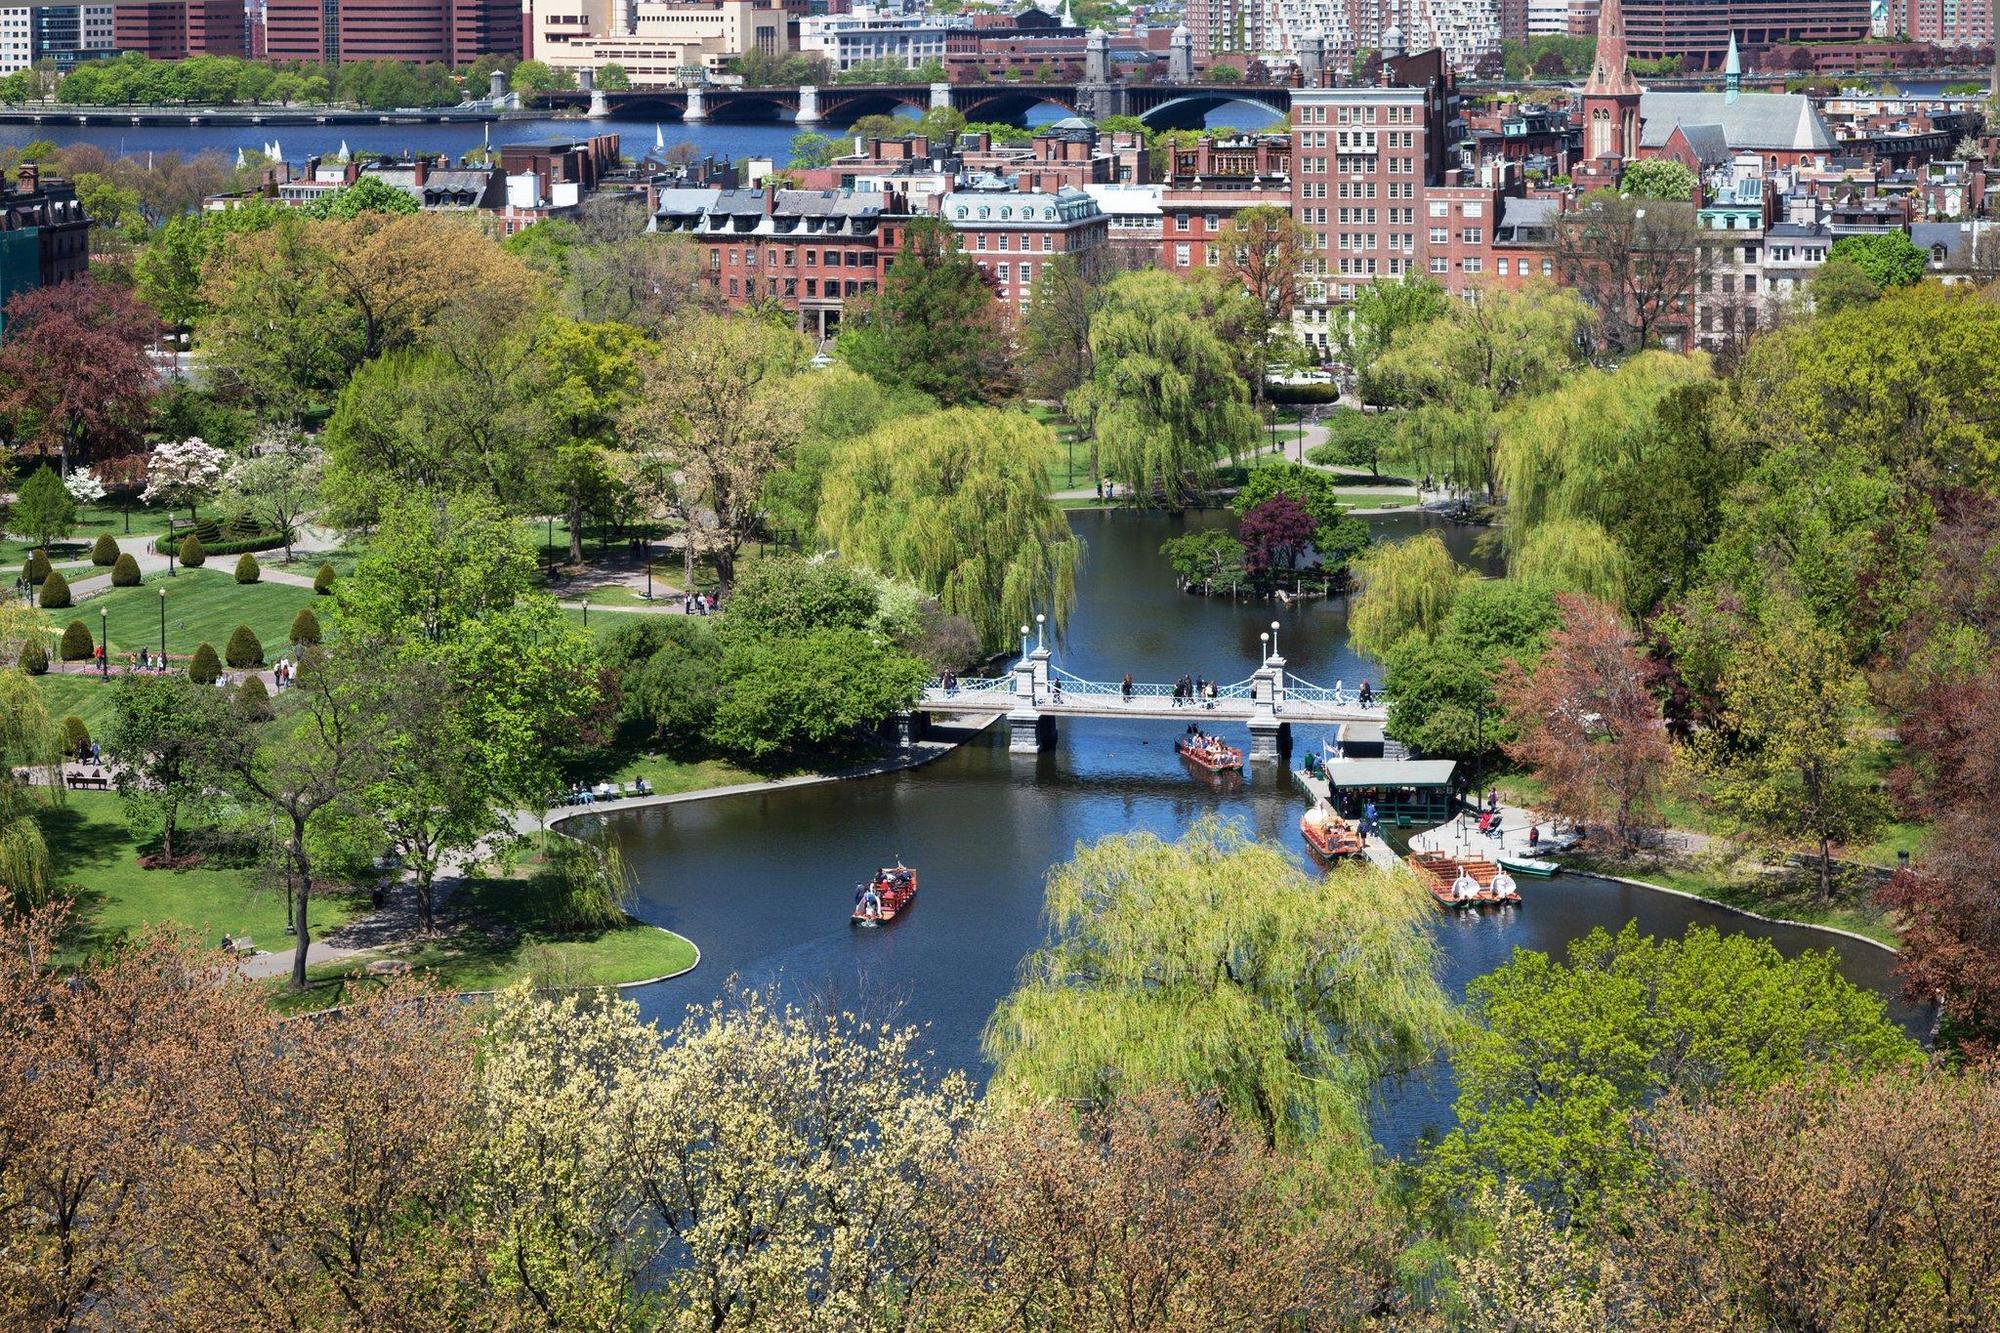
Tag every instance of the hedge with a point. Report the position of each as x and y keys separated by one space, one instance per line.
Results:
x=305 y=628
x=76 y=642
x=35 y=657
x=253 y=698
x=323 y=581
x=263 y=541
x=37 y=568
x=1302 y=393
x=125 y=574
x=247 y=568
x=104 y=551
x=55 y=590
x=75 y=733
x=243 y=650
x=205 y=668
x=193 y=554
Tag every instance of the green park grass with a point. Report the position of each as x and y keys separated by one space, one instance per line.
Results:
x=203 y=606
x=97 y=853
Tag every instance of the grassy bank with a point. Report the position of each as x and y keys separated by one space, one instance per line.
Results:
x=494 y=934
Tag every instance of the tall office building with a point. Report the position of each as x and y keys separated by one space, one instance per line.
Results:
x=1698 y=31
x=1944 y=22
x=448 y=32
x=1465 y=30
x=175 y=29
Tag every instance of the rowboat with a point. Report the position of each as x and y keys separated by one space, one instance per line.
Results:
x=1458 y=882
x=1328 y=834
x=1209 y=753
x=1527 y=865
x=893 y=889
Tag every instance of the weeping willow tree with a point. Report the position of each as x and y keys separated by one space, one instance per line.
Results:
x=1406 y=588
x=1166 y=397
x=1458 y=372
x=956 y=502
x=1560 y=452
x=1573 y=555
x=1214 y=964
x=27 y=741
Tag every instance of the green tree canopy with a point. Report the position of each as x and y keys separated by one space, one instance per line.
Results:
x=1407 y=587
x=1889 y=258
x=43 y=508
x=934 y=326
x=1565 y=1056
x=956 y=502
x=1658 y=178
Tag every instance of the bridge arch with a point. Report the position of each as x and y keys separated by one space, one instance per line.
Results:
x=753 y=104
x=1191 y=111
x=1009 y=106
x=837 y=108
x=650 y=106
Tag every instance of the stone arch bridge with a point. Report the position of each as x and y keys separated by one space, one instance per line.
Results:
x=1167 y=106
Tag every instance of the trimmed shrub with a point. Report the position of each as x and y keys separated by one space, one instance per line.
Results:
x=37 y=568
x=263 y=541
x=253 y=698
x=35 y=657
x=104 y=551
x=76 y=642
x=193 y=554
x=247 y=568
x=241 y=527
x=205 y=668
x=243 y=650
x=305 y=628
x=75 y=734
x=323 y=581
x=55 y=591
x=125 y=574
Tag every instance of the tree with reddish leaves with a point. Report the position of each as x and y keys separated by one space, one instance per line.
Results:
x=1275 y=533
x=74 y=378
x=1587 y=723
x=1948 y=917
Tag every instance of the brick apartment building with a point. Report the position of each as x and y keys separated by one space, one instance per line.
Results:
x=1363 y=159
x=1211 y=181
x=1011 y=234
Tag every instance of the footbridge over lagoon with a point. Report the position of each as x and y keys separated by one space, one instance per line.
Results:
x=1035 y=692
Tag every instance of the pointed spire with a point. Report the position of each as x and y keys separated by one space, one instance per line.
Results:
x=1609 y=76
x=1732 y=70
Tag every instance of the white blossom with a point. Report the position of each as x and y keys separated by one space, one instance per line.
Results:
x=183 y=471
x=83 y=486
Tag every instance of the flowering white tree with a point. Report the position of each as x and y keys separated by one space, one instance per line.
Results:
x=279 y=486
x=84 y=487
x=182 y=472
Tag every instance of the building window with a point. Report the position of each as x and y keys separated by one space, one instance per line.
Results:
x=1183 y=256
x=1439 y=264
x=1181 y=221
x=1503 y=268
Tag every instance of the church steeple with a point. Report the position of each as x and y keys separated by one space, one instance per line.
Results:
x=1732 y=70
x=1608 y=75
x=1610 y=102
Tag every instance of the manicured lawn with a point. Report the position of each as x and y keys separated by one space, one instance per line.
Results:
x=86 y=695
x=667 y=776
x=92 y=521
x=492 y=938
x=95 y=850
x=203 y=606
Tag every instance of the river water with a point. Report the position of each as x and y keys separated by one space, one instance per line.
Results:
x=763 y=883
x=770 y=139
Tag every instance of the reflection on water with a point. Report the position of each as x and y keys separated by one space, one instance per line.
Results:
x=763 y=883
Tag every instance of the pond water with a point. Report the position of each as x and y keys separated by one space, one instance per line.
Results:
x=763 y=883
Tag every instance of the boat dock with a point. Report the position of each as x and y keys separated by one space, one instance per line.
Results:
x=1461 y=835
x=1378 y=852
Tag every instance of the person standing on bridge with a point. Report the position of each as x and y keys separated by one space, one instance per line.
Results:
x=1367 y=695
x=1125 y=688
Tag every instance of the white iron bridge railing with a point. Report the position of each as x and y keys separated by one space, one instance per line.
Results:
x=975 y=685
x=1076 y=686
x=1344 y=696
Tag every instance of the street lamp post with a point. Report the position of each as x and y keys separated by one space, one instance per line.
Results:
x=1274 y=638
x=1039 y=618
x=586 y=610
x=552 y=545
x=163 y=631
x=649 y=580
x=1024 y=641
x=103 y=641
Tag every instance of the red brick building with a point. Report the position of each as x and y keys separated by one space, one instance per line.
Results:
x=1013 y=234
x=176 y=29
x=450 y=32
x=1208 y=183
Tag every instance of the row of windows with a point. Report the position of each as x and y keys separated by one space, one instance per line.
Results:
x=1003 y=274
x=834 y=287
x=1470 y=208
x=1470 y=236
x=854 y=259
x=1348 y=114
x=1002 y=242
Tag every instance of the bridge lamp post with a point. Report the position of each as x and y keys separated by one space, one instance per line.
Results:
x=1039 y=618
x=1274 y=638
x=1024 y=641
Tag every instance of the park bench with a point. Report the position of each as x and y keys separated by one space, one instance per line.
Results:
x=94 y=780
x=242 y=946
x=388 y=967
